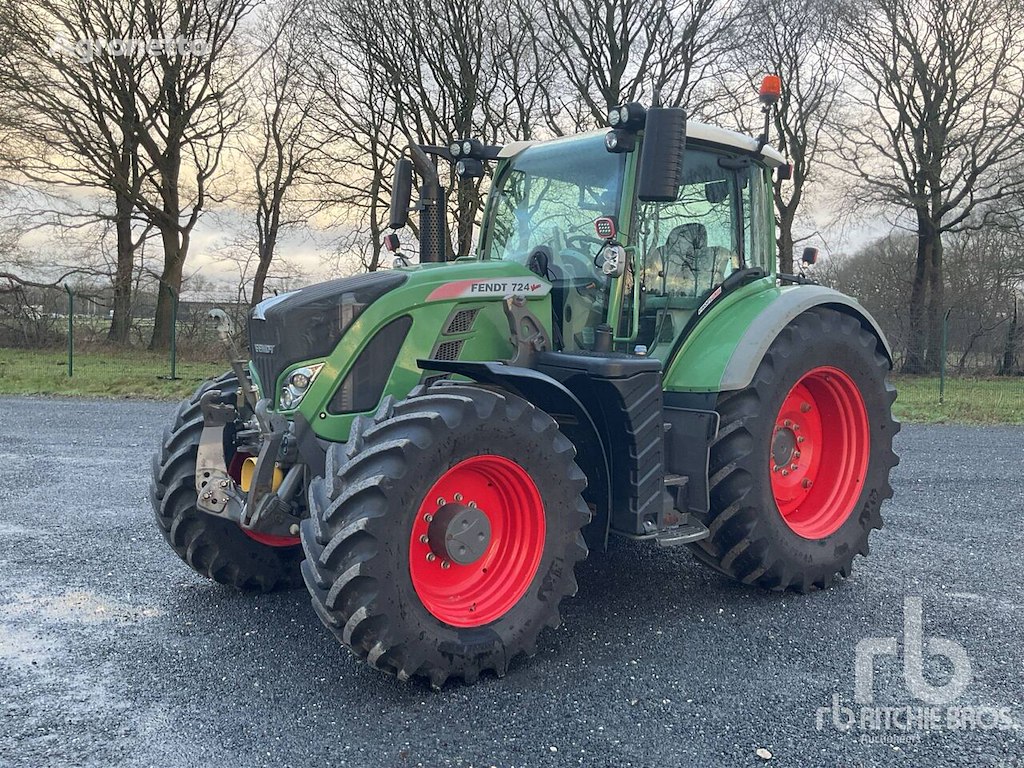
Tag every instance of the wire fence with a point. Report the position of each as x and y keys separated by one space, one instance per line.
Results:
x=55 y=318
x=980 y=375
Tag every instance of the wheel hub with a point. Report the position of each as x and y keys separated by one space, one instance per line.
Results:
x=477 y=540
x=459 y=533
x=783 y=446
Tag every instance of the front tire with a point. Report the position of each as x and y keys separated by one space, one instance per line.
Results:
x=445 y=533
x=801 y=464
x=213 y=547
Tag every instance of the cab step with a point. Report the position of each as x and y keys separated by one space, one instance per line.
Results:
x=687 y=531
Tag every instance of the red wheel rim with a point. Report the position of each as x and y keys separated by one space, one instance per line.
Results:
x=266 y=539
x=818 y=458
x=478 y=592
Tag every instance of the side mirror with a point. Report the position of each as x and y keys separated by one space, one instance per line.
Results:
x=810 y=256
x=661 y=156
x=784 y=172
x=401 y=193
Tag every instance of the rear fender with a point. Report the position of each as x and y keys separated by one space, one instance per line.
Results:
x=726 y=347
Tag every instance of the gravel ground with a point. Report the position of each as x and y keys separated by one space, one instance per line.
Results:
x=112 y=652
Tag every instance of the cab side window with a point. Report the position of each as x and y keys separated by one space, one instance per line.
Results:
x=719 y=222
x=691 y=244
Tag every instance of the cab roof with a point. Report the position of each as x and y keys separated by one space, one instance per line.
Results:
x=694 y=131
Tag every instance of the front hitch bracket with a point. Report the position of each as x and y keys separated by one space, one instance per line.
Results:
x=265 y=510
x=215 y=489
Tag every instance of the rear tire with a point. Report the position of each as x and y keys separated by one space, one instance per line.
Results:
x=213 y=547
x=784 y=521
x=370 y=535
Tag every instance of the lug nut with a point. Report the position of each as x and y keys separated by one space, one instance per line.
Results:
x=440 y=501
x=431 y=557
x=424 y=539
x=796 y=454
x=428 y=518
x=223 y=483
x=788 y=423
x=445 y=565
x=801 y=439
x=785 y=472
x=458 y=497
x=776 y=468
x=792 y=466
x=472 y=504
x=807 y=483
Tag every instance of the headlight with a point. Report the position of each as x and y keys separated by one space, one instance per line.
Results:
x=297 y=385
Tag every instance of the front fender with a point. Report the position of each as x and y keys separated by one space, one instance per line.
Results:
x=573 y=418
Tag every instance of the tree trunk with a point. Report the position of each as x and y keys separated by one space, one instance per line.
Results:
x=259 y=281
x=170 y=280
x=785 y=240
x=124 y=273
x=917 y=341
x=1008 y=365
x=936 y=308
x=468 y=199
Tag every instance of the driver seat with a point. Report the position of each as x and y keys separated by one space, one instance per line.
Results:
x=681 y=258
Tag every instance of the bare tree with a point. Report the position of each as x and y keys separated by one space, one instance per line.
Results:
x=937 y=129
x=289 y=139
x=187 y=107
x=483 y=82
x=799 y=41
x=613 y=51
x=71 y=116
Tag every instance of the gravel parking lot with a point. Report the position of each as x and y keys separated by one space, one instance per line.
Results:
x=112 y=652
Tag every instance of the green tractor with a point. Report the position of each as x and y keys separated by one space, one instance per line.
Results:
x=433 y=448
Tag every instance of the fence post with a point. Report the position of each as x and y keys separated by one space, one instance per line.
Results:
x=71 y=331
x=942 y=358
x=174 y=332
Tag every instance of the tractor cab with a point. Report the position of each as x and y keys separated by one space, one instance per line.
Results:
x=561 y=208
x=638 y=230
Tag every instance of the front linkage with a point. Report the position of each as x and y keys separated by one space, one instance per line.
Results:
x=265 y=497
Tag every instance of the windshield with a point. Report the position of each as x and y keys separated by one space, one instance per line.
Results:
x=546 y=200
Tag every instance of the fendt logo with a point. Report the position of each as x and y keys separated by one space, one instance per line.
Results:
x=264 y=349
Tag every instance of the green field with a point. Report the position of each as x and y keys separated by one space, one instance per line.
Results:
x=99 y=374
x=996 y=400
x=141 y=374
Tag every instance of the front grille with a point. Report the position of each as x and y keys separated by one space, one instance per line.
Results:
x=461 y=321
x=308 y=324
x=448 y=350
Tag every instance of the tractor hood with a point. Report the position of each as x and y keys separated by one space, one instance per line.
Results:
x=309 y=323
